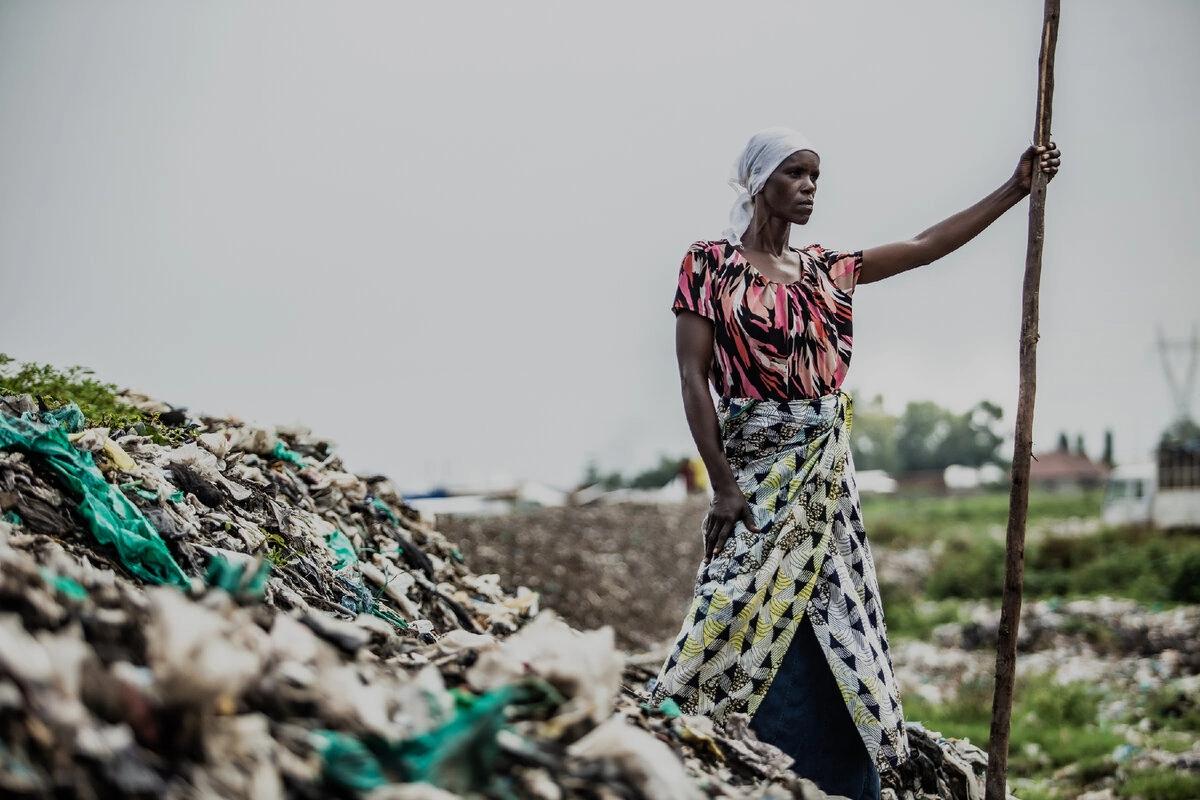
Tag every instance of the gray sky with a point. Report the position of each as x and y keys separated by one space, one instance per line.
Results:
x=447 y=235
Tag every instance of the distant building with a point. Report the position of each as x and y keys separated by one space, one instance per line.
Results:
x=922 y=481
x=1063 y=471
x=1177 y=467
x=1129 y=495
x=486 y=499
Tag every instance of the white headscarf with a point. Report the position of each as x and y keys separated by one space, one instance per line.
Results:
x=765 y=151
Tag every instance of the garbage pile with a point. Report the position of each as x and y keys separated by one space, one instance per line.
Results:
x=1105 y=625
x=233 y=614
x=1115 y=642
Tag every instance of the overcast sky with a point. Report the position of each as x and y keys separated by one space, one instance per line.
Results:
x=447 y=235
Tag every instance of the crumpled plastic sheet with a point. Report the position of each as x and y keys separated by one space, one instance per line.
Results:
x=112 y=518
x=585 y=667
x=646 y=759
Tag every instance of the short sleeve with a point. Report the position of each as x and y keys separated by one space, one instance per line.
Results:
x=844 y=267
x=694 y=290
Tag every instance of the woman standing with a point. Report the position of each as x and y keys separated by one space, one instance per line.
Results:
x=786 y=624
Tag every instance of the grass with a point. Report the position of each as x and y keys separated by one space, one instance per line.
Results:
x=1052 y=724
x=911 y=520
x=1171 y=741
x=1033 y=791
x=909 y=617
x=1142 y=564
x=1173 y=710
x=1139 y=563
x=1160 y=784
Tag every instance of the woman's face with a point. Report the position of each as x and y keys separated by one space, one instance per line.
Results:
x=791 y=189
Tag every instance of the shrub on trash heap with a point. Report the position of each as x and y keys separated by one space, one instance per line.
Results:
x=99 y=402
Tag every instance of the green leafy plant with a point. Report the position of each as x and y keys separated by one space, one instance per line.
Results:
x=100 y=402
x=277 y=550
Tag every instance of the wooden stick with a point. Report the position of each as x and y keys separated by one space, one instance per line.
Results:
x=1018 y=499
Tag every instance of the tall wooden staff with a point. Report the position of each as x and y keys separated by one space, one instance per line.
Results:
x=1018 y=499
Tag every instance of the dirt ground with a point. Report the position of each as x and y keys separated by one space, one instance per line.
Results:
x=631 y=566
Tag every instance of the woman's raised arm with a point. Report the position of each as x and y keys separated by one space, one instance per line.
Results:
x=953 y=232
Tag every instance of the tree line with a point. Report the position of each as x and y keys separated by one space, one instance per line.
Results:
x=924 y=436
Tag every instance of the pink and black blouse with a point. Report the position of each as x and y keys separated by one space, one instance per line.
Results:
x=771 y=340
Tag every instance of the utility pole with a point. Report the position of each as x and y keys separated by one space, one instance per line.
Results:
x=1181 y=388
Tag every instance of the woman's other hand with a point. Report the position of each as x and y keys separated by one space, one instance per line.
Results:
x=1047 y=156
x=729 y=506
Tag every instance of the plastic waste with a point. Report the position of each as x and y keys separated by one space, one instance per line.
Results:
x=284 y=453
x=372 y=662
x=585 y=667
x=647 y=760
x=347 y=762
x=242 y=580
x=458 y=755
x=112 y=518
x=342 y=549
x=64 y=585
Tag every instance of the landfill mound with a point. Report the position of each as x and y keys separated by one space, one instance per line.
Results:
x=230 y=613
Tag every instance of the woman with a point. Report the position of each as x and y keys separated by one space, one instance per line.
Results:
x=785 y=624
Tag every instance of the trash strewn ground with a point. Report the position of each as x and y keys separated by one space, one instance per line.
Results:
x=628 y=565
x=235 y=614
x=1108 y=687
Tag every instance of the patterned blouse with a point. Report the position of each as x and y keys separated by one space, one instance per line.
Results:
x=771 y=340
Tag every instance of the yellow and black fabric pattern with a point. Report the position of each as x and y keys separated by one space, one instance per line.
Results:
x=793 y=463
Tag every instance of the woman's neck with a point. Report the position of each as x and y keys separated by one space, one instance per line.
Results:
x=771 y=238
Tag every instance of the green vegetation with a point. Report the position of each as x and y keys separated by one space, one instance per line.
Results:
x=1174 y=711
x=277 y=550
x=1058 y=744
x=1025 y=791
x=925 y=436
x=1052 y=724
x=652 y=478
x=1055 y=725
x=912 y=520
x=99 y=402
x=1142 y=564
x=908 y=617
x=1160 y=784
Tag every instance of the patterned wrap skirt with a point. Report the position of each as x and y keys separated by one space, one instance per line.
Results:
x=793 y=463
